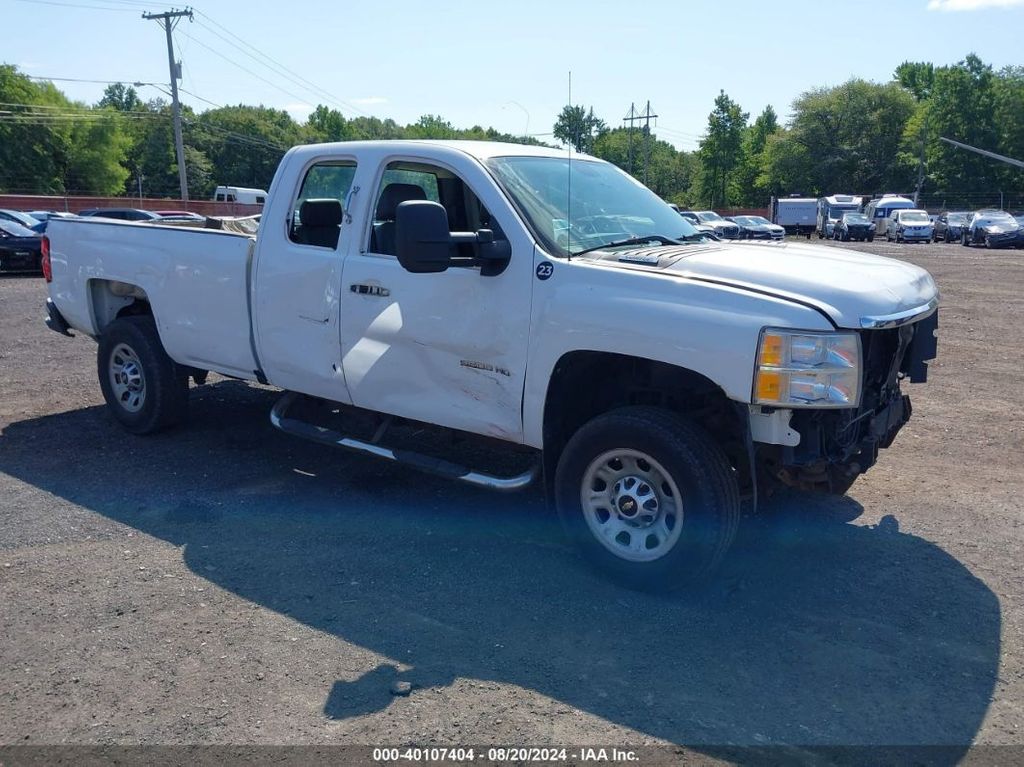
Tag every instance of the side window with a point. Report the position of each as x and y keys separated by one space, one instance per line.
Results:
x=317 y=212
x=220 y=197
x=231 y=198
x=260 y=199
x=404 y=181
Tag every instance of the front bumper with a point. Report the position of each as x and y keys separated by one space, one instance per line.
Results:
x=851 y=439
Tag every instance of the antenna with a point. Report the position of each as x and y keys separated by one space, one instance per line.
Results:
x=568 y=200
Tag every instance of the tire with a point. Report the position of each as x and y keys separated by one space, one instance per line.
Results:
x=673 y=459
x=144 y=389
x=963 y=239
x=871 y=238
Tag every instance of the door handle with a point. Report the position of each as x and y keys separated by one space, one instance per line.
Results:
x=370 y=290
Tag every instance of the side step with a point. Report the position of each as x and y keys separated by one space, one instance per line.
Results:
x=280 y=420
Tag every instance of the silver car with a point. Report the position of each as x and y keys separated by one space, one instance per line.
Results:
x=909 y=225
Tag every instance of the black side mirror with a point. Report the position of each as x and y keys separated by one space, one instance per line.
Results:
x=423 y=242
x=422 y=238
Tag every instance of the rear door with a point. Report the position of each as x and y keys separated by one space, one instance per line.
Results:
x=298 y=282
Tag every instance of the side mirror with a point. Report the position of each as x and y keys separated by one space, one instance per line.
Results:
x=422 y=238
x=424 y=244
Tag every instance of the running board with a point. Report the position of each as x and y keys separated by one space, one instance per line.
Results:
x=279 y=419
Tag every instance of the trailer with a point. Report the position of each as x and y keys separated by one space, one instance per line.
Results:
x=829 y=209
x=795 y=214
x=879 y=209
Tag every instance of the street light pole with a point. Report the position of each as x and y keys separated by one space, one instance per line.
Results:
x=169 y=20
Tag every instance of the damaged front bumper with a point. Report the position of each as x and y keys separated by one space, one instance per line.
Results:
x=807 y=448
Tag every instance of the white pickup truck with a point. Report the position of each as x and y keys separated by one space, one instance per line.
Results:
x=549 y=311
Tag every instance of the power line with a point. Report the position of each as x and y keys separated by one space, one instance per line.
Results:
x=285 y=71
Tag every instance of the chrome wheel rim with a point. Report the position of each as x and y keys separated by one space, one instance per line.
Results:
x=127 y=381
x=632 y=505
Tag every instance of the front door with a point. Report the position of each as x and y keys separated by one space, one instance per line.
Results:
x=447 y=348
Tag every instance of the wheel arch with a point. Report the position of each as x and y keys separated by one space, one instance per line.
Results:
x=587 y=383
x=111 y=299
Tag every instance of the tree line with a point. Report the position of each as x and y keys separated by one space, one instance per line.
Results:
x=860 y=137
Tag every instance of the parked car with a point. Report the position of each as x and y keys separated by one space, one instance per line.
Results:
x=46 y=215
x=241 y=194
x=854 y=226
x=908 y=225
x=620 y=356
x=122 y=214
x=20 y=248
x=948 y=226
x=705 y=229
x=757 y=228
x=180 y=215
x=18 y=217
x=726 y=230
x=991 y=228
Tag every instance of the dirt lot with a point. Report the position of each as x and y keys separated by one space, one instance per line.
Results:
x=225 y=583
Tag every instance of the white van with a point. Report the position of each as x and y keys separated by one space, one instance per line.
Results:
x=239 y=194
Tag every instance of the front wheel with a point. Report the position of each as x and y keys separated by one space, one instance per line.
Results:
x=648 y=497
x=145 y=389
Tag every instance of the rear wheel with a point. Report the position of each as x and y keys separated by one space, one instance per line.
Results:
x=963 y=239
x=648 y=497
x=145 y=389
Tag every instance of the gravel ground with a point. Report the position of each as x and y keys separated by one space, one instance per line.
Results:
x=227 y=584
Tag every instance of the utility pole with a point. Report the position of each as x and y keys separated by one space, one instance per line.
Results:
x=635 y=116
x=629 y=119
x=169 y=20
x=647 y=138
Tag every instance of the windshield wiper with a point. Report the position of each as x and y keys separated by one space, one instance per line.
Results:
x=630 y=241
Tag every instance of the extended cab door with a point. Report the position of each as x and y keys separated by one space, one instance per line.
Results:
x=298 y=279
x=447 y=348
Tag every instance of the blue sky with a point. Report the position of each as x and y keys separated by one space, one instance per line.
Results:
x=505 y=64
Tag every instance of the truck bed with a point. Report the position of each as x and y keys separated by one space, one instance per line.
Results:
x=201 y=275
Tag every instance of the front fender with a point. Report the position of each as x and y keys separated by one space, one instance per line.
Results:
x=709 y=329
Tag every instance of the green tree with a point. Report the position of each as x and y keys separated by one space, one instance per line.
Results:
x=579 y=127
x=918 y=77
x=745 y=189
x=121 y=97
x=720 y=151
x=962 y=106
x=848 y=139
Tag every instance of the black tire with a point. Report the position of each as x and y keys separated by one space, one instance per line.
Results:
x=871 y=238
x=164 y=388
x=963 y=239
x=690 y=459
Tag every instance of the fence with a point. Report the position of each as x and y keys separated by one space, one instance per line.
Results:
x=78 y=204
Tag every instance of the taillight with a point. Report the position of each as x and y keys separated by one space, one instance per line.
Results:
x=45 y=260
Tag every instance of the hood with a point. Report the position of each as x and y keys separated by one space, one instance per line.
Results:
x=844 y=284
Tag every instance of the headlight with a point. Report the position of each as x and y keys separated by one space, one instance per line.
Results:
x=807 y=369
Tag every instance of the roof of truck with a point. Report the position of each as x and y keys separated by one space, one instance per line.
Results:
x=481 y=150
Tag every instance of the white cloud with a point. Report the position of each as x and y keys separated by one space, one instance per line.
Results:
x=971 y=5
x=370 y=101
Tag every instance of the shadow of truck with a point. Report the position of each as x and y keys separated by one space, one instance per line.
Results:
x=817 y=631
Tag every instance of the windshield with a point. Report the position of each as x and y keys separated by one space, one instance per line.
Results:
x=708 y=215
x=607 y=205
x=757 y=219
x=15 y=229
x=855 y=218
x=17 y=216
x=914 y=217
x=958 y=218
